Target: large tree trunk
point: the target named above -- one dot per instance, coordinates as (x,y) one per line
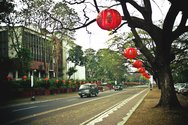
(168,95)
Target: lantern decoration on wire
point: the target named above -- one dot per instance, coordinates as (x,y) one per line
(130,53)
(109,19)
(137,64)
(141,70)
(57,81)
(9,78)
(63,81)
(146,75)
(46,79)
(24,77)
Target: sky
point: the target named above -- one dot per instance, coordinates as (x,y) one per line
(97,39)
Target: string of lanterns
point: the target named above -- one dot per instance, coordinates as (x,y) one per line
(109,19)
(131,53)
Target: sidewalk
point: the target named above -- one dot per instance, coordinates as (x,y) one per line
(146,114)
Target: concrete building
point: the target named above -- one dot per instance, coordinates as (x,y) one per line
(49,54)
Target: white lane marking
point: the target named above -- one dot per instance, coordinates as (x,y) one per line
(16,110)
(128,115)
(106,113)
(57,109)
(71,100)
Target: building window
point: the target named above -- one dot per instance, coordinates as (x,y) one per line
(4,44)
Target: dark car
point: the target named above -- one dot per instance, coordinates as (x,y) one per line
(88,90)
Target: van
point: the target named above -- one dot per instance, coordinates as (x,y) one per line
(88,90)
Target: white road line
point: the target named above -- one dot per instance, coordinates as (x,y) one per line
(128,115)
(110,110)
(53,110)
(16,110)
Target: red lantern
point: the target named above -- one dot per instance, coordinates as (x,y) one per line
(24,77)
(137,64)
(9,78)
(63,81)
(46,79)
(57,81)
(109,19)
(146,75)
(141,70)
(130,53)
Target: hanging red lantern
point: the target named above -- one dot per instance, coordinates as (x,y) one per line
(24,77)
(141,70)
(137,64)
(46,78)
(9,78)
(57,81)
(63,81)
(146,75)
(109,19)
(130,53)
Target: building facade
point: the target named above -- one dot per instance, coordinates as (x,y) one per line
(48,52)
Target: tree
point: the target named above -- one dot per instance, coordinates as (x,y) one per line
(91,64)
(44,16)
(163,38)
(6,7)
(76,56)
(71,71)
(110,66)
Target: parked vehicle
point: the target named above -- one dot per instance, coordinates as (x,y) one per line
(181,86)
(184,90)
(177,86)
(88,90)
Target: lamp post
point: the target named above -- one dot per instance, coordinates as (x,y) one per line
(32,84)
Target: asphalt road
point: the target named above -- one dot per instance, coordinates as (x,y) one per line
(74,110)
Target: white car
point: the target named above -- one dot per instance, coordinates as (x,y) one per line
(180,86)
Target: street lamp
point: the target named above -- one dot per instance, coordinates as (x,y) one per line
(32,84)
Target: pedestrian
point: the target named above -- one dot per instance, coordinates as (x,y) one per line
(150,85)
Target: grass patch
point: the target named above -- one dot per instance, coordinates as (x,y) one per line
(146,114)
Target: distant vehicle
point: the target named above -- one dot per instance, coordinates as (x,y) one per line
(88,90)
(118,87)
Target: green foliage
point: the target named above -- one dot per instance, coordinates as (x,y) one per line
(25,58)
(104,65)
(71,71)
(6,7)
(76,56)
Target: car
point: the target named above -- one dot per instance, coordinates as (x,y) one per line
(177,86)
(88,90)
(184,89)
(180,86)
(118,87)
